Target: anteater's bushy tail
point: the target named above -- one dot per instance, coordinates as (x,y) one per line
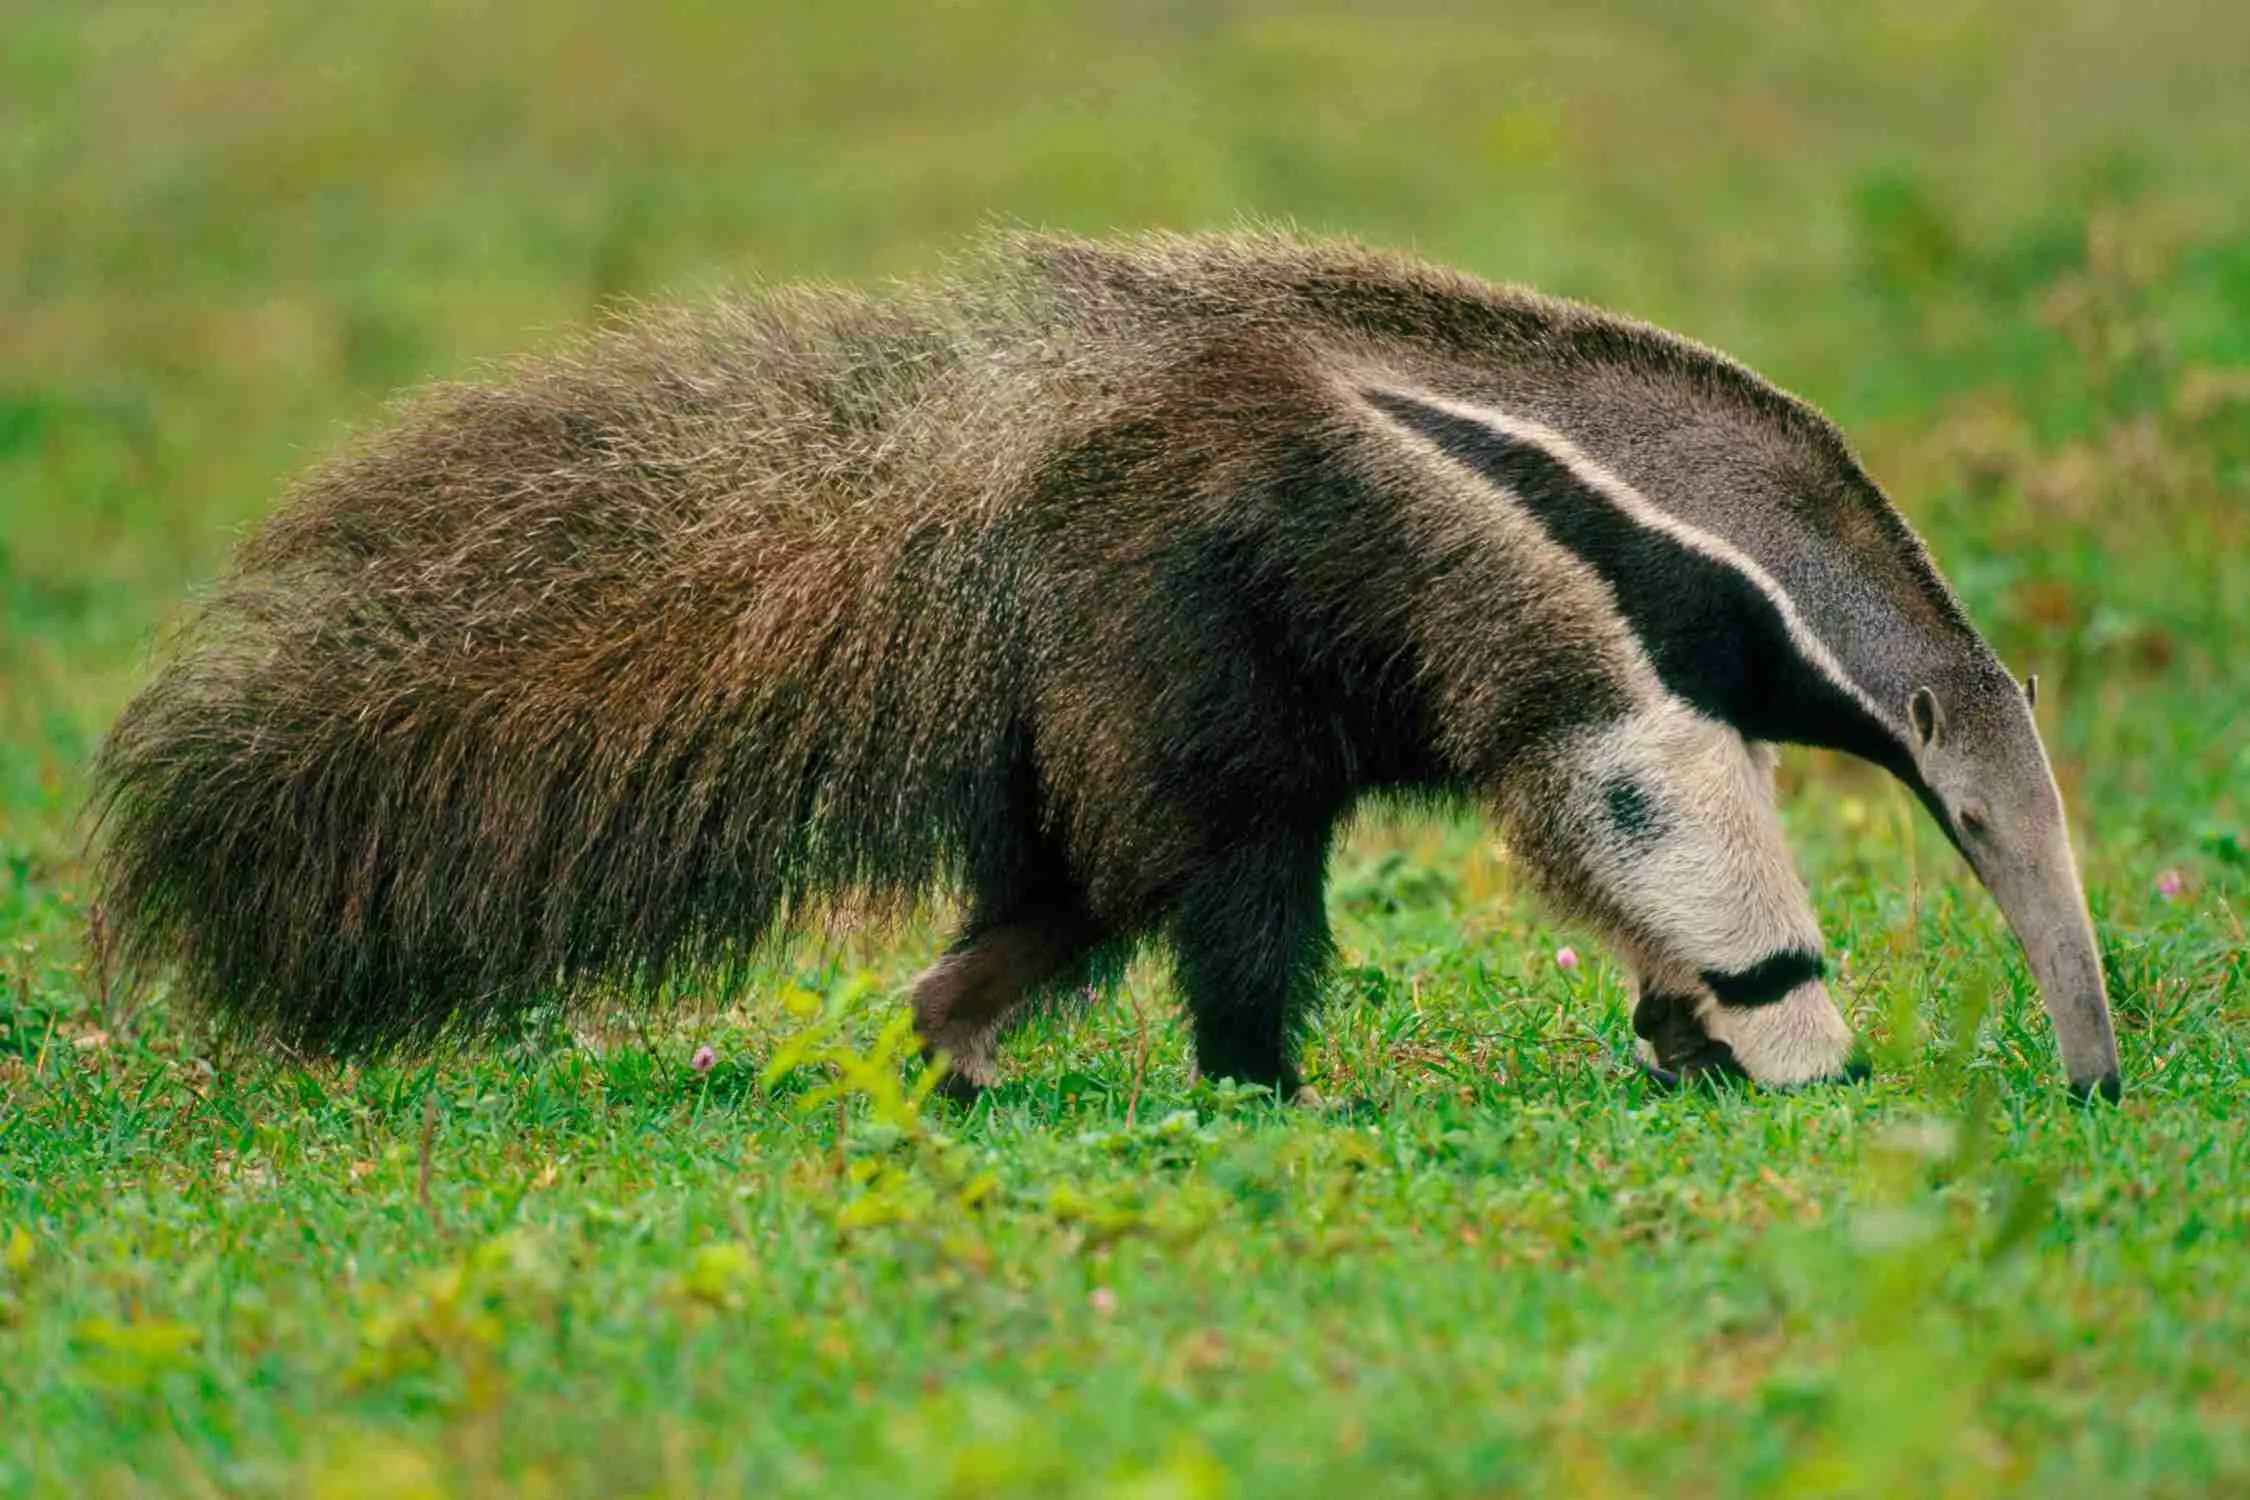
(603,669)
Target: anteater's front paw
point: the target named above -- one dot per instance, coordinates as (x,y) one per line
(1800,1040)
(1674,1047)
(1708,1065)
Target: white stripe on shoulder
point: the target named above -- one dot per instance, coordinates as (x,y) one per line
(1643,512)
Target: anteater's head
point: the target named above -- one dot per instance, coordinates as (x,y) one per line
(1985,775)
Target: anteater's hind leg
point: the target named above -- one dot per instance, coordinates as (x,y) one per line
(1250,937)
(1661,827)
(964,1001)
(1028,929)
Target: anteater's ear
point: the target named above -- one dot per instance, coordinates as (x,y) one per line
(2031,690)
(1928,719)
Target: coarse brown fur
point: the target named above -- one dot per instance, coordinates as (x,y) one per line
(1082,584)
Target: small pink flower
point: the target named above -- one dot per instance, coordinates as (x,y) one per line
(1103,1301)
(2170,884)
(703,1059)
(1566,959)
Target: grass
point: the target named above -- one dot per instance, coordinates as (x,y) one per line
(2007,251)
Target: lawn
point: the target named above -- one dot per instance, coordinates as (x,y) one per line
(2008,251)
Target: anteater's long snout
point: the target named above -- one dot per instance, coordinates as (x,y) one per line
(2038,892)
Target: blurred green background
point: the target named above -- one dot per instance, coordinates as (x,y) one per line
(2008,247)
(2005,245)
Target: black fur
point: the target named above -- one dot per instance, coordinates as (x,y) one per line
(1279,710)
(1685,1053)
(1766,981)
(1250,936)
(1631,812)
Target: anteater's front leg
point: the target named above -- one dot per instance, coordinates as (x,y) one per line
(1660,827)
(1250,935)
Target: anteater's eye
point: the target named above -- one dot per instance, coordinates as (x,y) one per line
(1972,821)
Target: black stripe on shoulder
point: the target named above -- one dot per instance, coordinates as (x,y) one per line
(1715,638)
(1766,981)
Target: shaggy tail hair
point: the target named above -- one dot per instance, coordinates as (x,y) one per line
(588,675)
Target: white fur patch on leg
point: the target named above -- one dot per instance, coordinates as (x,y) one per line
(1707,883)
(1675,826)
